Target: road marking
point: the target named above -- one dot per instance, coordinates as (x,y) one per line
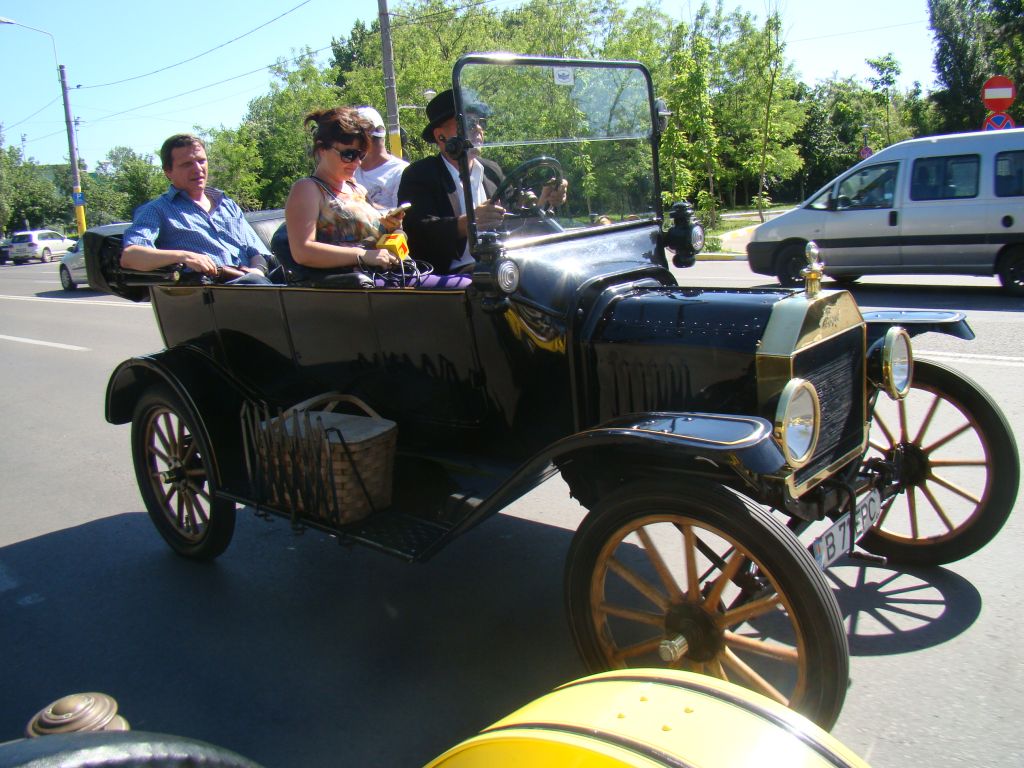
(965,357)
(76,302)
(40,343)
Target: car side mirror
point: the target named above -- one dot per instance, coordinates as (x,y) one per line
(685,238)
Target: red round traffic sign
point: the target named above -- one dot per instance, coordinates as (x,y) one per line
(998,121)
(998,93)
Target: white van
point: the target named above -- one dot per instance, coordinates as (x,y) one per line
(939,205)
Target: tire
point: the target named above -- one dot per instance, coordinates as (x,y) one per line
(846,279)
(173,471)
(1011,272)
(960,469)
(65,279)
(44,257)
(774,626)
(789,265)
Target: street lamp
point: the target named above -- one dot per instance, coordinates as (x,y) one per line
(76,181)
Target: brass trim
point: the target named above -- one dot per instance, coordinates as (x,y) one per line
(781,432)
(888,349)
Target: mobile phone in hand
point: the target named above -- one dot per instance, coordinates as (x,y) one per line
(399,209)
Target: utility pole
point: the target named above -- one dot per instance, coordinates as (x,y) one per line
(390,90)
(76,180)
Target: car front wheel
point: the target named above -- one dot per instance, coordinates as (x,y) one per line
(692,577)
(958,466)
(790,264)
(65,279)
(172,466)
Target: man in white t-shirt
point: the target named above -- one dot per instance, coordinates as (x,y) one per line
(380,171)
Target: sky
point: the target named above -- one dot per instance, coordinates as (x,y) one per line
(128,87)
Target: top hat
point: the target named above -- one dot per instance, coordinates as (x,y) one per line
(441,108)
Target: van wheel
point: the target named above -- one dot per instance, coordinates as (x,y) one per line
(790,264)
(1011,272)
(846,279)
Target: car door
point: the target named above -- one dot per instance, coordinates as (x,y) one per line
(862,230)
(944,221)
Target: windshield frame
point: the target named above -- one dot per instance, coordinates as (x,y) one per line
(514,60)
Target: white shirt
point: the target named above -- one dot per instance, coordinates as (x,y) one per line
(382,182)
(476,180)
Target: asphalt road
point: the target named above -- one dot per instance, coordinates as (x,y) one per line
(294,651)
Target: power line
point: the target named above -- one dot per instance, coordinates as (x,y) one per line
(24,119)
(208,85)
(859,31)
(198,55)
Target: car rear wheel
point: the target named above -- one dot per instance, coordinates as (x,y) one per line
(790,264)
(45,256)
(65,279)
(958,468)
(692,577)
(172,466)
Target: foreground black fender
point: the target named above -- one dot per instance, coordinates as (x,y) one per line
(213,397)
(733,448)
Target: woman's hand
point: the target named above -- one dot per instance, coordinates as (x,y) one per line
(379,259)
(392,220)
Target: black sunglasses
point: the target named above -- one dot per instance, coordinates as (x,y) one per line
(348,155)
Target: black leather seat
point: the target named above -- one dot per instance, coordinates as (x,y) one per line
(297,274)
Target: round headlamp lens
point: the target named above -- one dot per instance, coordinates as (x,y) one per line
(797,420)
(696,237)
(897,363)
(508,276)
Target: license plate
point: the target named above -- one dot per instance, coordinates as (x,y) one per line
(840,537)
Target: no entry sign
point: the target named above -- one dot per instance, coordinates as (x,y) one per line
(998,93)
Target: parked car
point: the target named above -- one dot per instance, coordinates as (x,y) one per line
(42,244)
(74,272)
(938,205)
(5,249)
(704,429)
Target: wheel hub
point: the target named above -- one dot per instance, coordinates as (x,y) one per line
(913,464)
(704,641)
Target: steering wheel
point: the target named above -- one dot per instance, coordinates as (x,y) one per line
(519,200)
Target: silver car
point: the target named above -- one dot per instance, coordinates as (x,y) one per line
(42,244)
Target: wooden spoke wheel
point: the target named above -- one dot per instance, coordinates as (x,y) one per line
(957,464)
(172,469)
(691,577)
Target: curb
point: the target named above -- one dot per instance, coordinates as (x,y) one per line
(721,256)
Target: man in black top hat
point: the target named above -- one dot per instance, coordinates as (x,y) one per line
(437,223)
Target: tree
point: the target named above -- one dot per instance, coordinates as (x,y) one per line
(887,69)
(962,30)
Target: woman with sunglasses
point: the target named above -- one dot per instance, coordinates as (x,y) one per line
(331,224)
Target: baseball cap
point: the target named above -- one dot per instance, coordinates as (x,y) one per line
(372,116)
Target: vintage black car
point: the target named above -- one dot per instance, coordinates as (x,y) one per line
(704,429)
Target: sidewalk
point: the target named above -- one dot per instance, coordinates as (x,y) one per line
(734,242)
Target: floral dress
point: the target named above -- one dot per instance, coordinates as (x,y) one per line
(348,217)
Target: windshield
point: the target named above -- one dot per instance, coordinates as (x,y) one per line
(534,123)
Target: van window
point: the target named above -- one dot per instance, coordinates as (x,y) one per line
(1010,174)
(822,200)
(945,178)
(870,187)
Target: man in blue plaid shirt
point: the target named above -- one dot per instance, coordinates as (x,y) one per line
(193,224)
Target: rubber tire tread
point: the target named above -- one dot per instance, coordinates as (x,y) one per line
(221,527)
(1005,472)
(763,535)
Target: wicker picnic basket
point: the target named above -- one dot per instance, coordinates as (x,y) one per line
(320,464)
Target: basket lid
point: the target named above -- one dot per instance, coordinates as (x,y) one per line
(355,428)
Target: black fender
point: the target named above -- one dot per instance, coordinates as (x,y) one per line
(211,394)
(732,447)
(917,321)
